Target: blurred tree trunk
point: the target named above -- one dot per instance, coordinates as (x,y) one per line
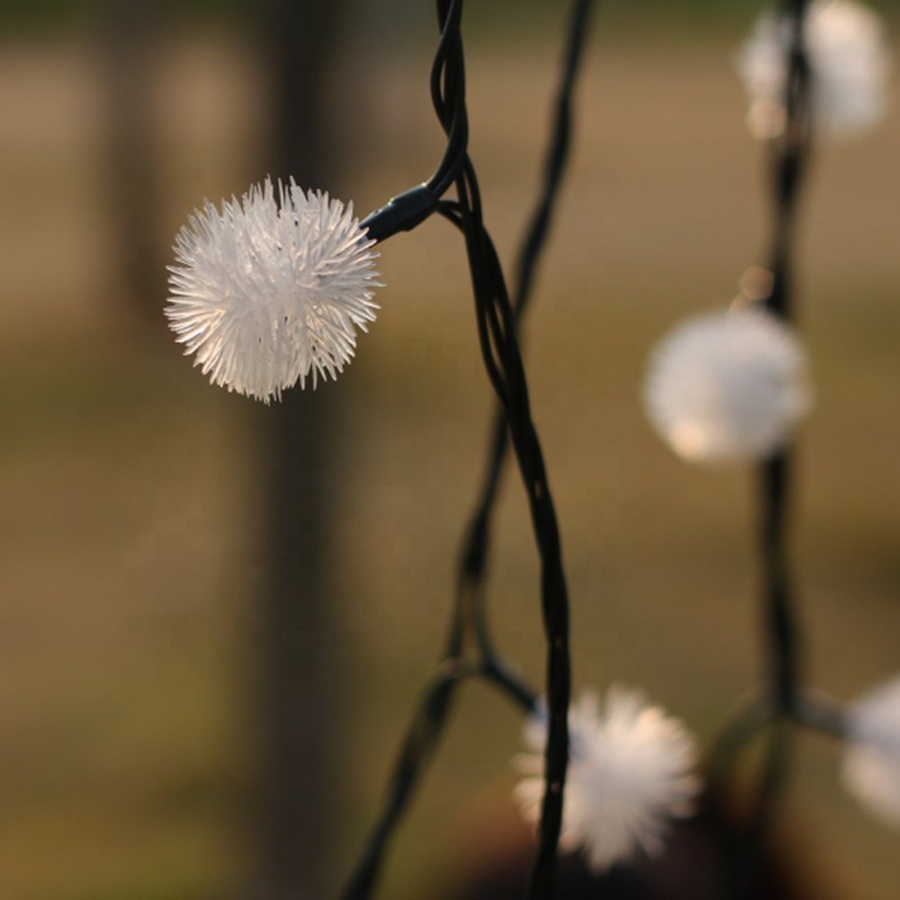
(299,683)
(128,48)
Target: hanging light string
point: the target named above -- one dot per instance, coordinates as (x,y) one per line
(469,649)
(790,152)
(476,542)
(771,714)
(500,351)
(243,256)
(411,208)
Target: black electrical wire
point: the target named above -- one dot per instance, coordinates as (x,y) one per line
(499,346)
(772,716)
(790,153)
(497,322)
(409,209)
(477,537)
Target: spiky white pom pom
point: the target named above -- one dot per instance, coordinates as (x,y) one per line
(727,386)
(269,293)
(848,60)
(630,773)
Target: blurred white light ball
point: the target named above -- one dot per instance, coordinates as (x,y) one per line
(848,60)
(727,386)
(872,755)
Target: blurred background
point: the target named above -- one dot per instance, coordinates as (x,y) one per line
(177,719)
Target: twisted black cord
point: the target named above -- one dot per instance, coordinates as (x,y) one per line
(772,715)
(557,155)
(409,209)
(418,745)
(781,706)
(497,320)
(404,213)
(790,151)
(417,748)
(500,350)
(477,535)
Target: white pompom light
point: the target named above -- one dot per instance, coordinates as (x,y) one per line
(727,385)
(872,755)
(848,60)
(269,293)
(630,773)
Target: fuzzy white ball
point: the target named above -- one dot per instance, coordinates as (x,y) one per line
(849,63)
(630,773)
(268,293)
(872,755)
(727,386)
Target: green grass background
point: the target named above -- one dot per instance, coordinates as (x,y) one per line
(127,560)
